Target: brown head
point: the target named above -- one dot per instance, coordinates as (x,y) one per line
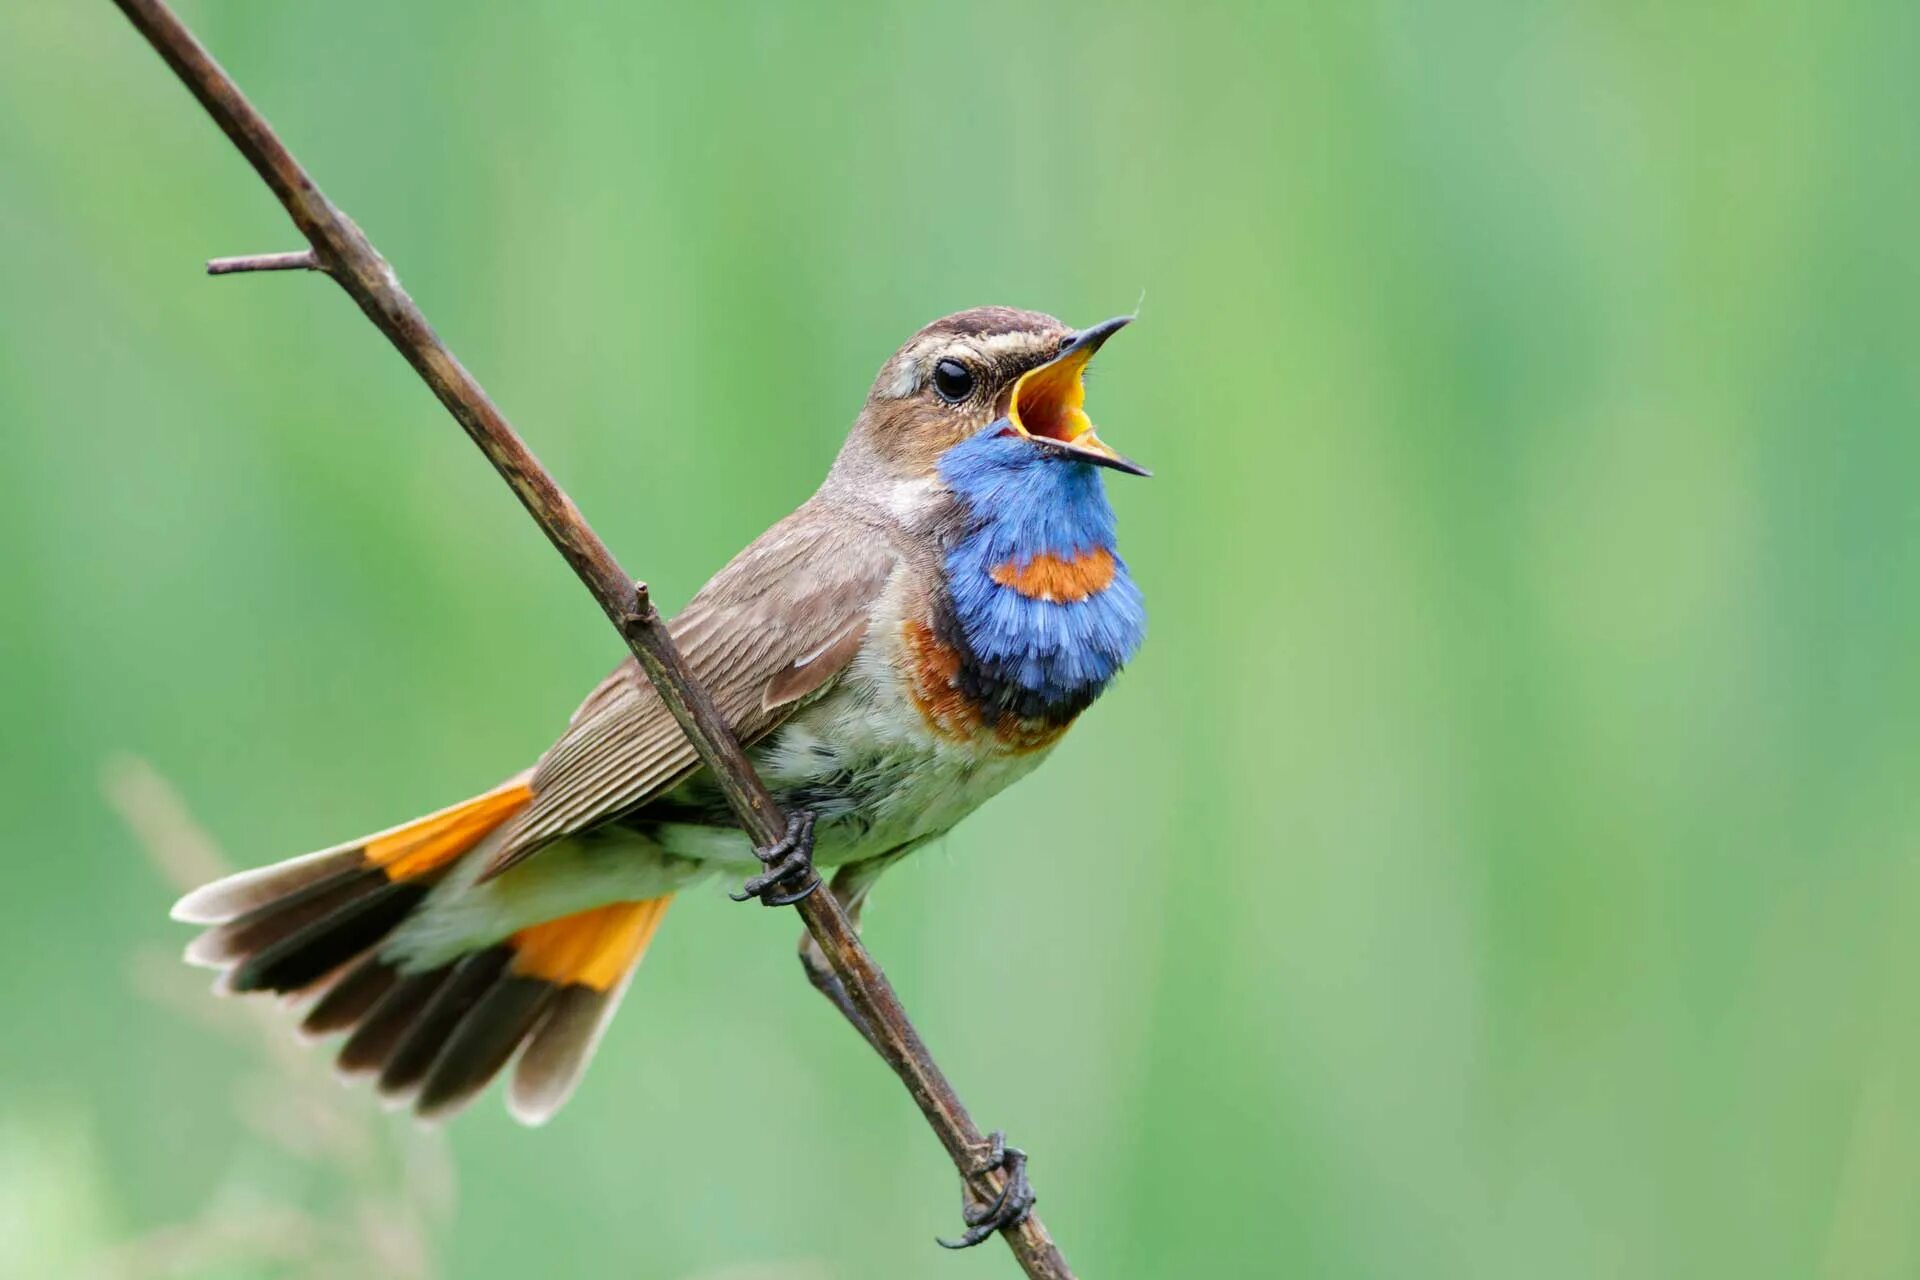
(968,371)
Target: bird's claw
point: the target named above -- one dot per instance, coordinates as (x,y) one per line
(789,876)
(1008,1209)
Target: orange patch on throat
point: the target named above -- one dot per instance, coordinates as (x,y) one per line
(934,681)
(593,948)
(436,840)
(1049,577)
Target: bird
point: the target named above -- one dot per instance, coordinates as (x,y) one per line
(911,640)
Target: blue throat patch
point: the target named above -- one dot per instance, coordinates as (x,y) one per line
(1035,658)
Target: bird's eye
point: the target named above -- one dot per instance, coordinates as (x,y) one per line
(953,380)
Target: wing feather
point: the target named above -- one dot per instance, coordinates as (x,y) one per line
(781,621)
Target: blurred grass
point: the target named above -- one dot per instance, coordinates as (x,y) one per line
(1501,860)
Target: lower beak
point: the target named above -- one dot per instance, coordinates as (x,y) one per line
(1046,402)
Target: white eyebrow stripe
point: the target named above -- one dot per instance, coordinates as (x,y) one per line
(910,371)
(906,380)
(1001,343)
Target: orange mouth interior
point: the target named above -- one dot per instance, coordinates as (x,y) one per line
(1046,401)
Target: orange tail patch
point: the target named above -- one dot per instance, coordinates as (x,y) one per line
(436,840)
(593,949)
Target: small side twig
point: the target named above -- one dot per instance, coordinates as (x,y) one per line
(344,253)
(298,260)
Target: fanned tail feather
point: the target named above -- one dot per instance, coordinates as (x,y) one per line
(406,854)
(313,926)
(586,961)
(436,1039)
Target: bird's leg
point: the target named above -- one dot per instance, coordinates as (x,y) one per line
(789,874)
(851,884)
(814,961)
(828,984)
(1008,1209)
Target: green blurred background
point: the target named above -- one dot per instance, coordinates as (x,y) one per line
(1501,860)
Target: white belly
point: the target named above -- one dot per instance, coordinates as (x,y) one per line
(866,762)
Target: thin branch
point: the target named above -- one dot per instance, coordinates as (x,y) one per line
(345,254)
(298,260)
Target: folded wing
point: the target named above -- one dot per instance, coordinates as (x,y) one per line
(778,624)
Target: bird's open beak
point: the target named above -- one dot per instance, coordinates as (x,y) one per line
(1046,402)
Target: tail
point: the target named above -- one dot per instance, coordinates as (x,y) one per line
(313,928)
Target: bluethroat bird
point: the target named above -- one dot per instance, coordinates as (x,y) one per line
(915,637)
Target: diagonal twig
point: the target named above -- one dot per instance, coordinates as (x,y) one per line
(339,249)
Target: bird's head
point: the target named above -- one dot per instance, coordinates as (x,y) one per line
(996,370)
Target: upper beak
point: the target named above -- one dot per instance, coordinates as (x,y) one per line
(1046,402)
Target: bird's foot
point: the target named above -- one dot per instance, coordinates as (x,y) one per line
(1008,1209)
(789,876)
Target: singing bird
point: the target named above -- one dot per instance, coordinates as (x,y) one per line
(912,639)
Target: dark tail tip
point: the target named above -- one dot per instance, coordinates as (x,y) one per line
(307,947)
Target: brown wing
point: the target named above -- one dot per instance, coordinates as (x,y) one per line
(779,622)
